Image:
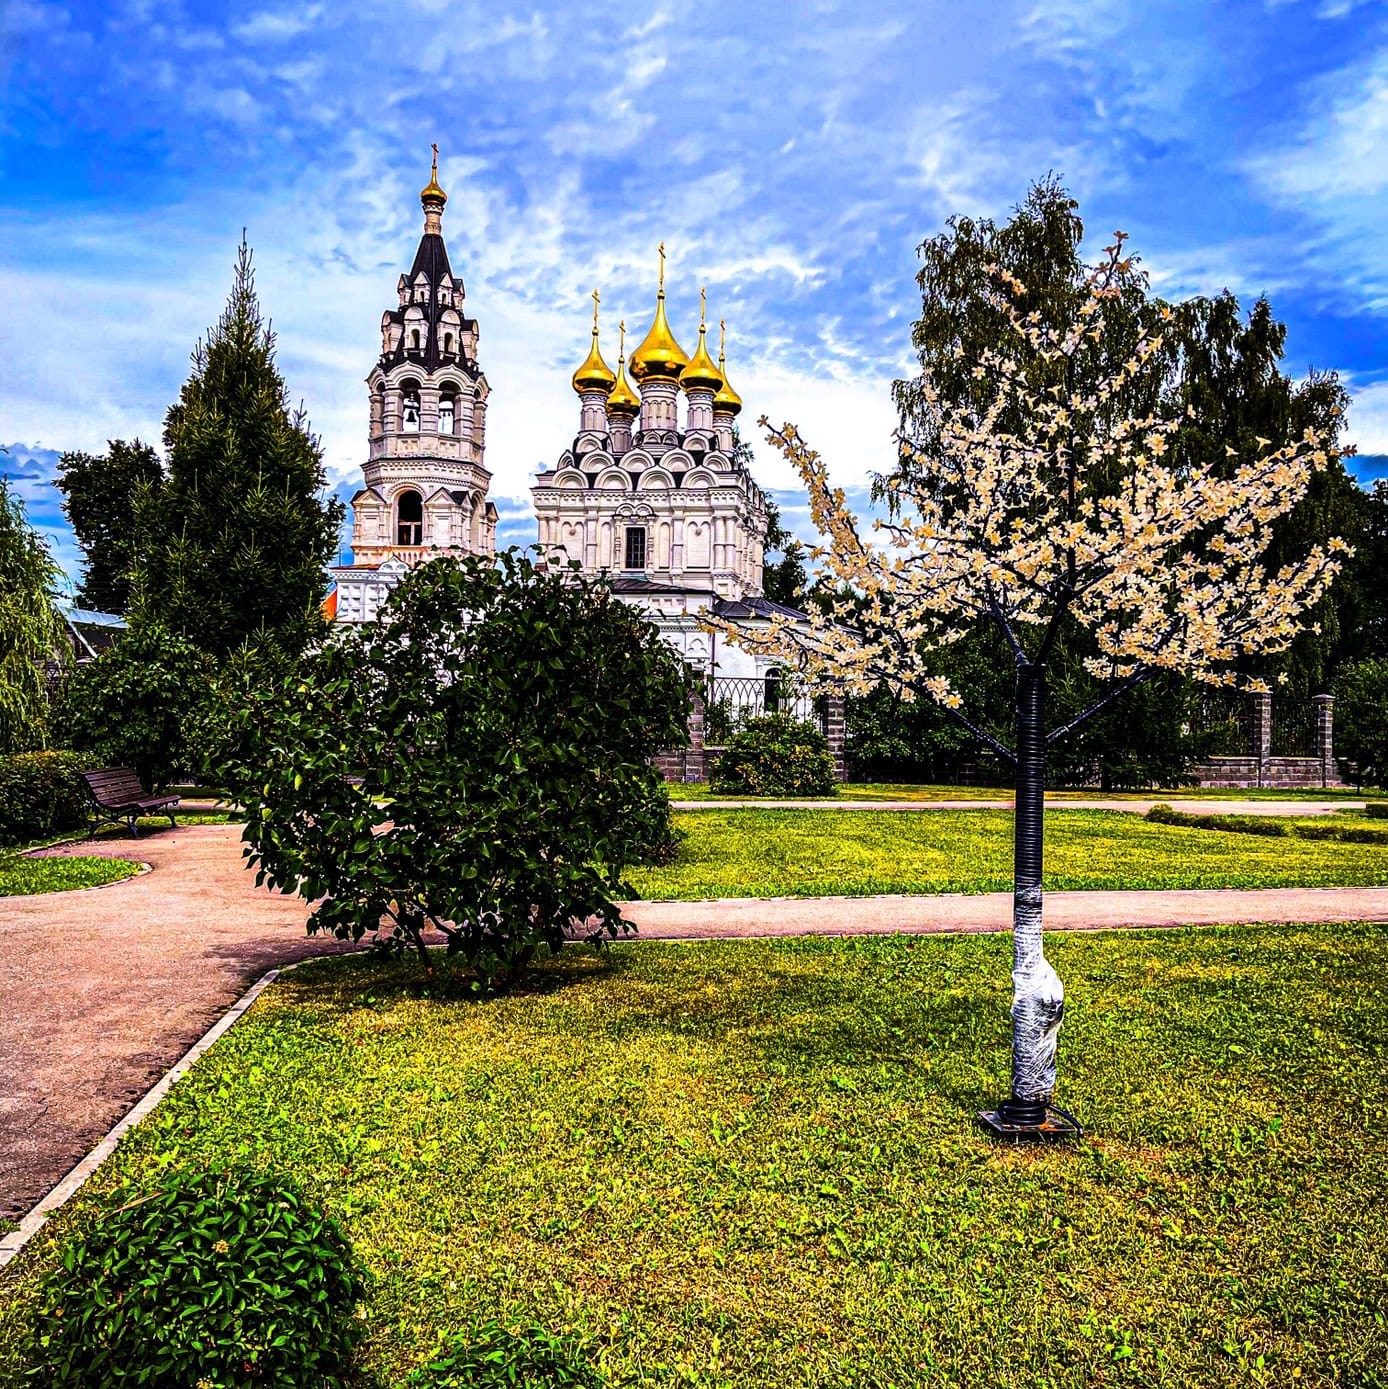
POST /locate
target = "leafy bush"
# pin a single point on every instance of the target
(775, 755)
(1376, 810)
(132, 706)
(1361, 720)
(477, 760)
(227, 1279)
(40, 794)
(492, 1357)
(652, 839)
(1273, 826)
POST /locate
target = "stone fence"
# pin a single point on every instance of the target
(1285, 746)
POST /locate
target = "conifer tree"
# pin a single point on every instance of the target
(235, 543)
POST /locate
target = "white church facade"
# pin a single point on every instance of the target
(653, 493)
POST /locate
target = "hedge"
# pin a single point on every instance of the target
(41, 795)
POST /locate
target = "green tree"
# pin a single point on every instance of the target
(235, 543)
(783, 575)
(1217, 370)
(32, 636)
(133, 706)
(478, 760)
(101, 496)
(1361, 720)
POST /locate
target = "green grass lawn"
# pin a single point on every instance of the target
(911, 791)
(854, 853)
(755, 1163)
(23, 877)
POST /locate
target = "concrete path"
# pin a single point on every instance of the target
(102, 990)
(1136, 807)
(1065, 911)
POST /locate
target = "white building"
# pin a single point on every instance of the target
(425, 483)
(669, 514)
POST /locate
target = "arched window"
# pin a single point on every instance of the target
(448, 412)
(409, 408)
(448, 343)
(409, 519)
(635, 548)
(414, 338)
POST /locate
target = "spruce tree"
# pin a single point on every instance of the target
(235, 543)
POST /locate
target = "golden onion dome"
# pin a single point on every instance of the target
(623, 401)
(701, 374)
(431, 192)
(726, 401)
(594, 374)
(659, 355)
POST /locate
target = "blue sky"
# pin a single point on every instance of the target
(791, 156)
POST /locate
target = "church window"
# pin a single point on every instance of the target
(774, 691)
(409, 514)
(409, 410)
(414, 338)
(635, 547)
(448, 413)
(448, 343)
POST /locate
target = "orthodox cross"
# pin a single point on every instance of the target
(662, 267)
(597, 299)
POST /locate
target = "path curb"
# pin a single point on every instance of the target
(12, 1243)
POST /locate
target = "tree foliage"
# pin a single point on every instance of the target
(101, 497)
(234, 545)
(476, 761)
(784, 579)
(1215, 372)
(32, 635)
(133, 706)
(1361, 720)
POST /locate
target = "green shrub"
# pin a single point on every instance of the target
(1376, 810)
(1270, 825)
(652, 839)
(775, 755)
(132, 706)
(1361, 720)
(228, 1279)
(491, 1357)
(40, 795)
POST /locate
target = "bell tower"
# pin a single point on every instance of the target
(425, 478)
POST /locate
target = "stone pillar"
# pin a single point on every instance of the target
(694, 769)
(835, 733)
(1260, 732)
(1325, 738)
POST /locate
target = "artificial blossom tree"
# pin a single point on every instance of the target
(1042, 504)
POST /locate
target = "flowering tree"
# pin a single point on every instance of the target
(1041, 504)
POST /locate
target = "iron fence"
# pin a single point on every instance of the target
(1293, 728)
(730, 700)
(1225, 718)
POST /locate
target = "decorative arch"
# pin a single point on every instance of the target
(614, 480)
(571, 481)
(655, 480)
(409, 517)
(700, 477)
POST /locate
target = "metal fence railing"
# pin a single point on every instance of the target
(730, 700)
(1226, 719)
(1293, 728)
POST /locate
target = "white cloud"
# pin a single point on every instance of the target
(1368, 418)
(277, 26)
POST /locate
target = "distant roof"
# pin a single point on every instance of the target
(628, 584)
(89, 617)
(754, 607)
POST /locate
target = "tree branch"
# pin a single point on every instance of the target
(1133, 680)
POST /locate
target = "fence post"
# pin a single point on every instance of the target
(1261, 731)
(1325, 737)
(694, 755)
(835, 733)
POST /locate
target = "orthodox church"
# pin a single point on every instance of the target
(665, 509)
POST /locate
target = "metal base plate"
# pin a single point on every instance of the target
(1056, 1128)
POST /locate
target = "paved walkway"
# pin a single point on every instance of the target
(103, 990)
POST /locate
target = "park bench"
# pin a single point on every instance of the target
(118, 798)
